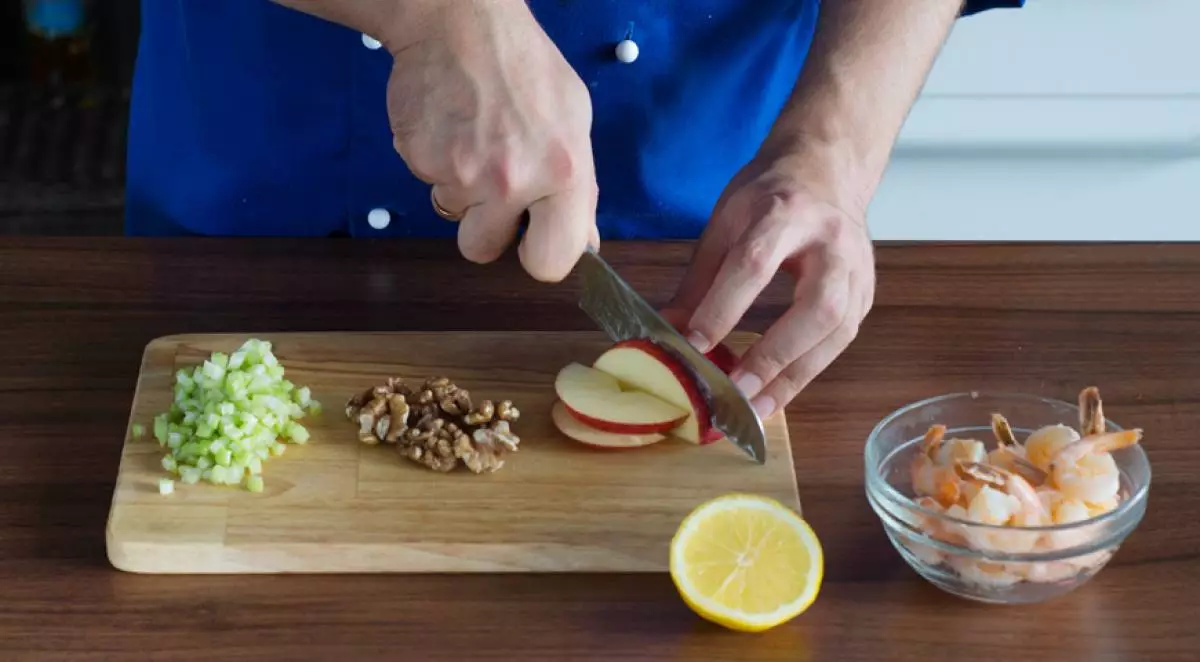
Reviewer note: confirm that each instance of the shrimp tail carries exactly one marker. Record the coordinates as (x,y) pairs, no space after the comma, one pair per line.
(978,471)
(1003,431)
(933,439)
(1091,412)
(1105,442)
(1024,468)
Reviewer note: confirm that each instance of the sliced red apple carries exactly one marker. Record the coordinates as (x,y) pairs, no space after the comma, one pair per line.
(723,358)
(647,367)
(568,424)
(597,399)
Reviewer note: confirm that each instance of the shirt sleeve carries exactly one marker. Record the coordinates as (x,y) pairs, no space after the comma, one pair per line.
(976,6)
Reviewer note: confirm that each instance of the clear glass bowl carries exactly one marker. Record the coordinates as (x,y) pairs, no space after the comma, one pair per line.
(963,558)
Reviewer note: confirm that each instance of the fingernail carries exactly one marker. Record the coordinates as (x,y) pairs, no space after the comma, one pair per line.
(699,342)
(764,405)
(748,383)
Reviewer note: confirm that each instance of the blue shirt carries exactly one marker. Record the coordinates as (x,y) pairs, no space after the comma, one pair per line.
(252,119)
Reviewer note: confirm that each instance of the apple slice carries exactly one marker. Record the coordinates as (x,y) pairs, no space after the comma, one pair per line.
(723,358)
(648,367)
(596,399)
(568,424)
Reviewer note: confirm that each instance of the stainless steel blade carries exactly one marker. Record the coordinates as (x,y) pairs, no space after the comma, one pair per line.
(623,314)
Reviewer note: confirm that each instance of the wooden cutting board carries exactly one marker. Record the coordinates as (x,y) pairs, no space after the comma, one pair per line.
(336,505)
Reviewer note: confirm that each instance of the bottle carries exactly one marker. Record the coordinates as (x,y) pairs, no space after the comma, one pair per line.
(60,42)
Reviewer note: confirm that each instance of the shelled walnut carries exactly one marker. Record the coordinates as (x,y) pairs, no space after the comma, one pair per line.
(436,425)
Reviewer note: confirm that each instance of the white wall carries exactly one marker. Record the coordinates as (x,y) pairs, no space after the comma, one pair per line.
(1065,120)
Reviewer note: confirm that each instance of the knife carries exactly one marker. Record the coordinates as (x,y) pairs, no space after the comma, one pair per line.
(625,315)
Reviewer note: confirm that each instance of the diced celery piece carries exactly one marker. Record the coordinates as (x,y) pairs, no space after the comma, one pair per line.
(220,359)
(223,457)
(255,465)
(297,433)
(168,463)
(160,428)
(204,462)
(254,484)
(190,475)
(278,449)
(166,486)
(314,407)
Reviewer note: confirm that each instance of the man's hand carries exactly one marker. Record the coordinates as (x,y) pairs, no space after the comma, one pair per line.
(484,107)
(800,205)
(780,214)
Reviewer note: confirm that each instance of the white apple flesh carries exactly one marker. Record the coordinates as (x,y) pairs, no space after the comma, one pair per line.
(568,424)
(647,367)
(597,399)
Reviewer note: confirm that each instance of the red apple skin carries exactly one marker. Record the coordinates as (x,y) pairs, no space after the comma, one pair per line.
(566,422)
(621,428)
(723,358)
(702,413)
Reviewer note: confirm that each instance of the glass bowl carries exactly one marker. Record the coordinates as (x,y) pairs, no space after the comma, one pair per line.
(966,558)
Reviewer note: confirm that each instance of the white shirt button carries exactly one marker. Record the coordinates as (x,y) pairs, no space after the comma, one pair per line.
(628,51)
(379,219)
(371,42)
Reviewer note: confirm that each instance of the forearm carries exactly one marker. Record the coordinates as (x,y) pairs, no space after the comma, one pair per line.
(866,67)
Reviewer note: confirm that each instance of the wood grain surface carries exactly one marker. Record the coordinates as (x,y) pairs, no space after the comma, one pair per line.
(75,316)
(337,505)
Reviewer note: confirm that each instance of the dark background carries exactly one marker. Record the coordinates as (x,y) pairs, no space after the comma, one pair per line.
(62,142)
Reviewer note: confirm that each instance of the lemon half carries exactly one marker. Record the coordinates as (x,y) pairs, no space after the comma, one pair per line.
(746,562)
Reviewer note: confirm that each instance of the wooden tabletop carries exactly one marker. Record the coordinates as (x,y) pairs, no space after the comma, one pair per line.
(76,313)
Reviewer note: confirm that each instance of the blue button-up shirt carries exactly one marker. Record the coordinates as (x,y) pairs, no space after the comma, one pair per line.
(252,119)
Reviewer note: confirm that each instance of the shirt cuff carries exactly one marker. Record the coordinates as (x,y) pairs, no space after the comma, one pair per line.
(976,6)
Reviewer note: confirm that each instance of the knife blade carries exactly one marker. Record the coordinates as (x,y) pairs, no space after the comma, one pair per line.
(624,315)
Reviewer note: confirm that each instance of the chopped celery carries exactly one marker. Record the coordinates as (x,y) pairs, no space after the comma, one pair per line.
(297,433)
(166,486)
(160,428)
(138,430)
(230,414)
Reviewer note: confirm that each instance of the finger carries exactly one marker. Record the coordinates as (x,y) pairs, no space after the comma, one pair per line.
(823,304)
(560,227)
(788,384)
(746,270)
(487,230)
(454,199)
(711,249)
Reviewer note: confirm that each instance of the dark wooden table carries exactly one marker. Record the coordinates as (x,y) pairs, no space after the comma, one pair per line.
(75,314)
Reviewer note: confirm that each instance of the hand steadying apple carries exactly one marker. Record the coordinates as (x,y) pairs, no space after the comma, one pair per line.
(777,216)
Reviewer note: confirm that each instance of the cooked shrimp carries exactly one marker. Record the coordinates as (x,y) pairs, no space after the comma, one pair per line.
(1106,506)
(1005,499)
(1084,469)
(1068,511)
(930,478)
(983,573)
(1010,454)
(1041,446)
(930,527)
(1029,511)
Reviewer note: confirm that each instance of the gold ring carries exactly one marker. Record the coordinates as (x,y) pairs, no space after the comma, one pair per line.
(442,211)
